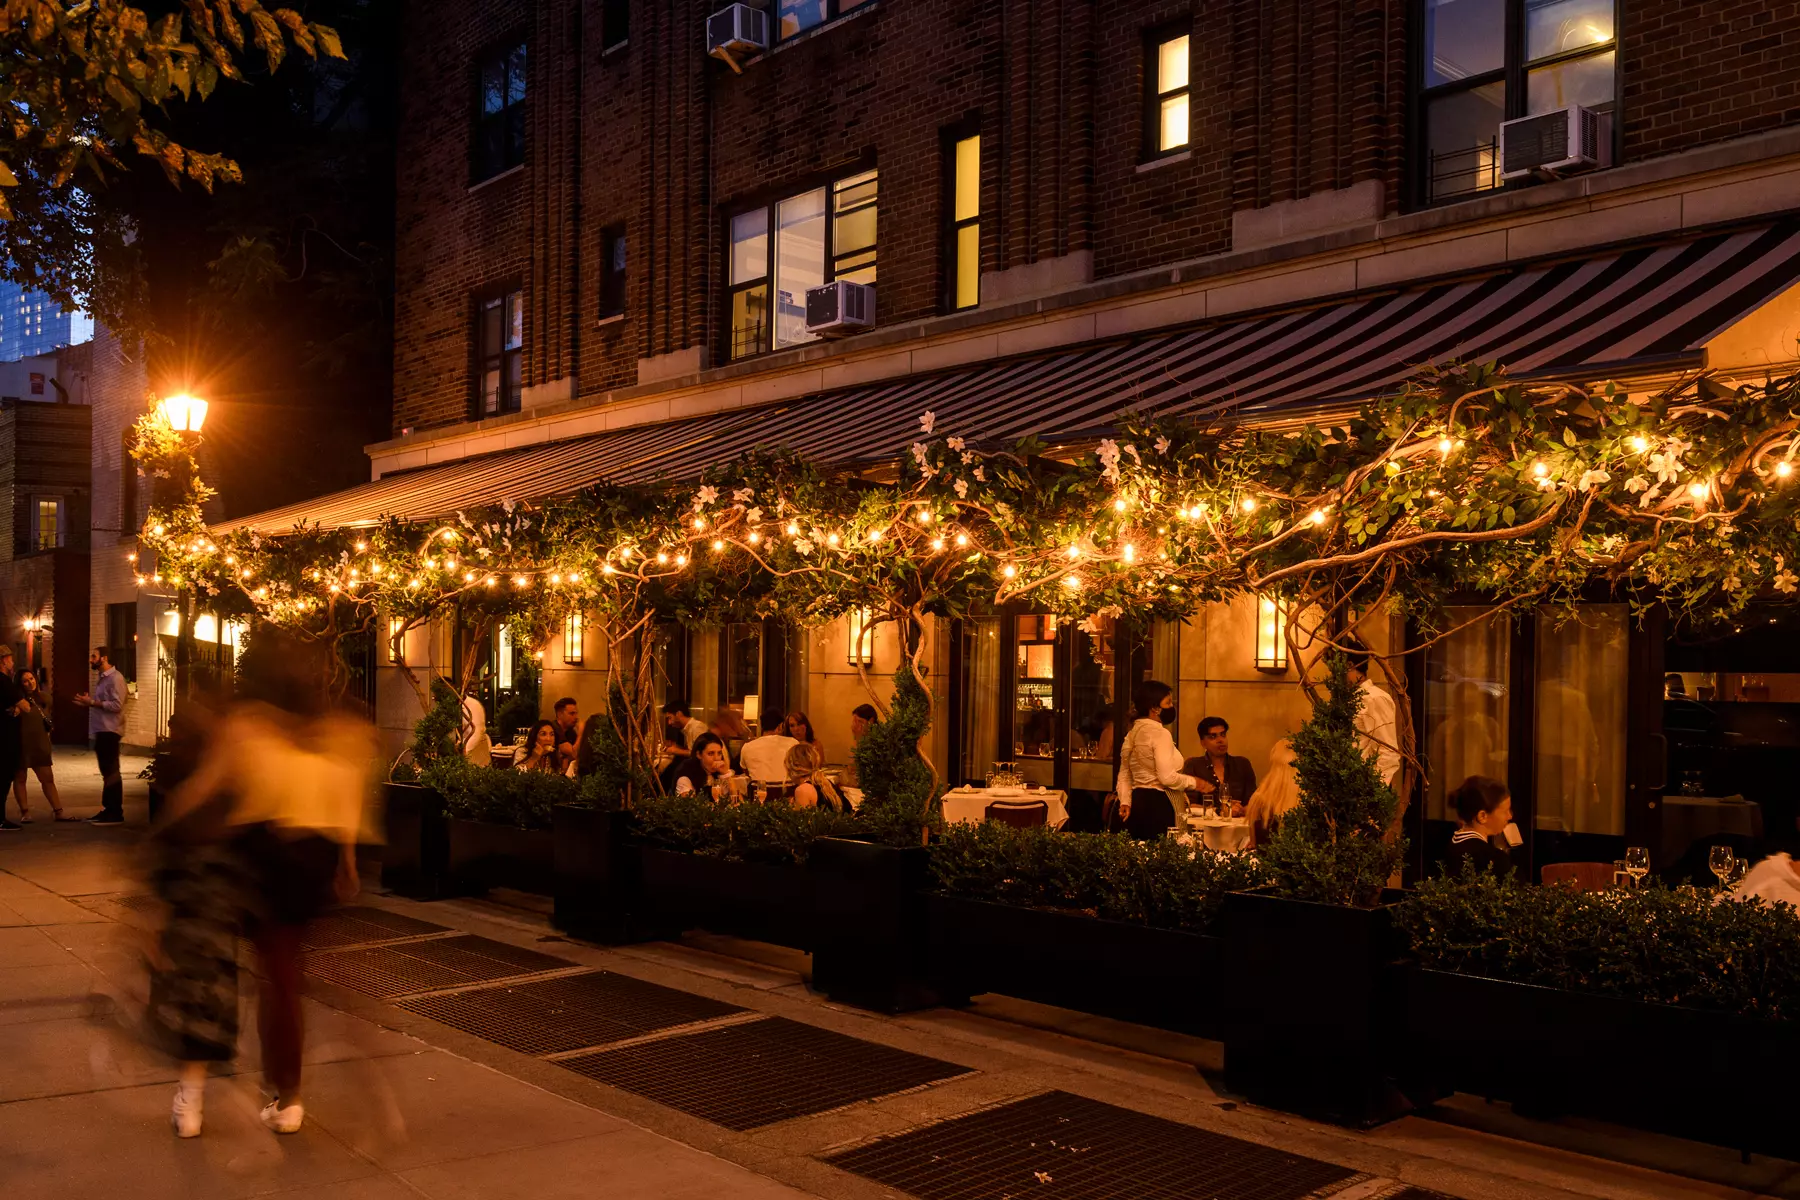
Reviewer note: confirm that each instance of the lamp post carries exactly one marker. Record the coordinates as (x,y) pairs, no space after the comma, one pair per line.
(185,414)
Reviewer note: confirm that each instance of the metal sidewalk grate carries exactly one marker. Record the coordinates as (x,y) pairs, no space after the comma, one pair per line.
(753,1074)
(142,902)
(359,924)
(389,971)
(1059,1146)
(550,1016)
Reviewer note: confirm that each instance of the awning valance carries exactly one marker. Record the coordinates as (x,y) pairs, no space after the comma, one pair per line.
(1607,315)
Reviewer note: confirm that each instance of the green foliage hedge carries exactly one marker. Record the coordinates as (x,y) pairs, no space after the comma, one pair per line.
(1658,945)
(765,833)
(1108,875)
(499,796)
(898,801)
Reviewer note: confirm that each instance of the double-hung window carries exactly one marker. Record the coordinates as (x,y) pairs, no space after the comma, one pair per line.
(499,143)
(779,251)
(797,16)
(615,23)
(1166,101)
(47,523)
(962,233)
(499,342)
(612,272)
(1488,61)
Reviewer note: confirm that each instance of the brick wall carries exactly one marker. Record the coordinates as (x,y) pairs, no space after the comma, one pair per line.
(1696,73)
(1290,99)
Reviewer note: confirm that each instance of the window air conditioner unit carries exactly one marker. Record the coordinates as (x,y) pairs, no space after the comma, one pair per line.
(840,308)
(1550,144)
(737,31)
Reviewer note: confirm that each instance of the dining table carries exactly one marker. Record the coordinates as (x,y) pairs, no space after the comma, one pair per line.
(968,805)
(1228,834)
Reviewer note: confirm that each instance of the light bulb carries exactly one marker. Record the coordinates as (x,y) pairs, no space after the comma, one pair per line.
(1074,552)
(1640,443)
(755,537)
(1445,446)
(491,581)
(1539,469)
(449,564)
(574,577)
(1318,516)
(831,539)
(793,529)
(625,553)
(132,557)
(1119,504)
(962,539)
(699,522)
(468,577)
(361,546)
(717,545)
(449,535)
(374,568)
(1697,490)
(874,535)
(412,583)
(431,564)
(607,569)
(1009,570)
(1070,582)
(1783,469)
(518,581)
(661,556)
(937,543)
(1249,504)
(924,516)
(1129,552)
(681,560)
(157,530)
(556,578)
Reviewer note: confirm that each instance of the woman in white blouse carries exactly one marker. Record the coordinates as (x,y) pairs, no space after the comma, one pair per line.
(1150,766)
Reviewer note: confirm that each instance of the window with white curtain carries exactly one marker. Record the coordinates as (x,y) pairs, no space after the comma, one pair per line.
(1583,666)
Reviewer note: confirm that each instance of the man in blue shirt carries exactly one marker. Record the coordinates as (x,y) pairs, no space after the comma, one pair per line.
(106,721)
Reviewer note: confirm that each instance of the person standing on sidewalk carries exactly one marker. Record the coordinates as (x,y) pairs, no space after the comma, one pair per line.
(261,837)
(106,721)
(34,749)
(12,703)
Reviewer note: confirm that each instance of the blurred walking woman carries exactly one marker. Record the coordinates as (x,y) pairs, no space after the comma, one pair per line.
(1150,766)
(259,837)
(34,746)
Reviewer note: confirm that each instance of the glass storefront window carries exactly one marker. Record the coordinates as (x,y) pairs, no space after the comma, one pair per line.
(981,696)
(743,664)
(1466,700)
(1582,672)
(1093,683)
(1034,695)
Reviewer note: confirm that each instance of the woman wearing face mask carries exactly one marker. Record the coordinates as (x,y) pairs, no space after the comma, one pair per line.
(1150,766)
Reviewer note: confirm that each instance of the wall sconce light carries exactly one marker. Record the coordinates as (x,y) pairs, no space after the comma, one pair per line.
(1271,634)
(395,627)
(572,639)
(862,637)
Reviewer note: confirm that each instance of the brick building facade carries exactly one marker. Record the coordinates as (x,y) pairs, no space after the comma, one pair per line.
(592,215)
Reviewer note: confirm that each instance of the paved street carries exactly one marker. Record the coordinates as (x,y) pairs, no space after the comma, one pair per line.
(401,1105)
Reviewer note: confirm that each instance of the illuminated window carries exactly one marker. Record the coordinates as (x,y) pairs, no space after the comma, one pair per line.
(1166,104)
(962,240)
(499,342)
(780,251)
(797,16)
(47,527)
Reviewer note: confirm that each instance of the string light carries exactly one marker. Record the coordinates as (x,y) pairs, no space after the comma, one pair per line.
(1318,516)
(468,577)
(1128,552)
(449,535)
(361,546)
(574,576)
(132,557)
(449,564)
(412,583)
(662,556)
(518,581)
(699,522)
(491,581)
(1009,570)
(1074,551)
(1119,504)
(755,537)
(556,578)
(606,569)
(924,516)
(157,530)
(1783,469)
(1640,443)
(831,539)
(374,568)
(962,539)
(793,529)
(717,545)
(1249,504)
(937,543)
(681,560)
(431,564)
(1539,469)
(625,553)
(1072,583)
(1445,446)
(874,535)
(1697,490)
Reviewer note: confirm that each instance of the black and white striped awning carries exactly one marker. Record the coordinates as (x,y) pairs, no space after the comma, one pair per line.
(1605,316)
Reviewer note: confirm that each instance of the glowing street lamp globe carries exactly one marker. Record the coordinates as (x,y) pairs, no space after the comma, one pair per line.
(184,413)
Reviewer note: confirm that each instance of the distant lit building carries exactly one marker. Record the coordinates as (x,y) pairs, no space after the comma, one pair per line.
(31,323)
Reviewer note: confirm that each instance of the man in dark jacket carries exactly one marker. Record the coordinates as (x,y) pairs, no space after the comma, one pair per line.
(1223,775)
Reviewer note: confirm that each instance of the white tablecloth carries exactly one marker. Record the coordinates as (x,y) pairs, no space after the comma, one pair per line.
(969,805)
(1224,833)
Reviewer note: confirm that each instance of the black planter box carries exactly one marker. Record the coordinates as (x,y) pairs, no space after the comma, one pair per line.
(598,882)
(1164,978)
(415,859)
(870,943)
(1314,1006)
(743,899)
(1711,1077)
(485,855)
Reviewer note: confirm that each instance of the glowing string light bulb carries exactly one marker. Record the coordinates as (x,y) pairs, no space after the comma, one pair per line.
(1249,504)
(717,545)
(1074,551)
(754,537)
(1783,469)
(699,522)
(1445,446)
(937,543)
(1697,490)
(1318,516)
(518,581)
(831,539)
(1119,504)
(1072,583)
(962,539)
(1128,552)
(1009,570)
(1539,469)
(1640,443)
(361,546)
(874,535)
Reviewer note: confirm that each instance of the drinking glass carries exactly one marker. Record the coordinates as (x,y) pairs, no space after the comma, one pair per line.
(1637,863)
(1719,860)
(1740,867)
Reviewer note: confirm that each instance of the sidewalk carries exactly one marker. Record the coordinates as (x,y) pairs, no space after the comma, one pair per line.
(688,1073)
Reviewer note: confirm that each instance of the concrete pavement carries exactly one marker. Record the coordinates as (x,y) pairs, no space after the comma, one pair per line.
(401,1106)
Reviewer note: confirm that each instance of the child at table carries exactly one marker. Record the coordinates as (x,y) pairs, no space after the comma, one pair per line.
(1483,811)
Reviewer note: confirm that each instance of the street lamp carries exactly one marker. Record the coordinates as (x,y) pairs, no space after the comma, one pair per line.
(184,413)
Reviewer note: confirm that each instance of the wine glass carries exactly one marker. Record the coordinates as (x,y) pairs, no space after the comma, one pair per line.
(1637,864)
(1740,867)
(1719,860)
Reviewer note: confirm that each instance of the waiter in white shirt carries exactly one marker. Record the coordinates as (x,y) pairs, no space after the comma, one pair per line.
(1150,766)
(1375,720)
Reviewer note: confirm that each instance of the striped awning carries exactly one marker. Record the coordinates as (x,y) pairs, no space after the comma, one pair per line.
(1603,316)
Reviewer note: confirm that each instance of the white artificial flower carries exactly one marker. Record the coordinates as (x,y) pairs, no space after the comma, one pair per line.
(962,489)
(705,496)
(1109,459)
(743,495)
(1162,445)
(803,546)
(1785,580)
(754,514)
(1666,467)
(1591,479)
(1645,500)
(1636,483)
(954,443)
(1133,451)
(928,420)
(968,456)
(919,456)
(979,476)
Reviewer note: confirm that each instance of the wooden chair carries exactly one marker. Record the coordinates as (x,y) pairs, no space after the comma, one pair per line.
(1587,876)
(1021,814)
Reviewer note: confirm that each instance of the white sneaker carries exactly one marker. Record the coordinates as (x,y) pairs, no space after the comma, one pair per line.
(282,1119)
(185,1114)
